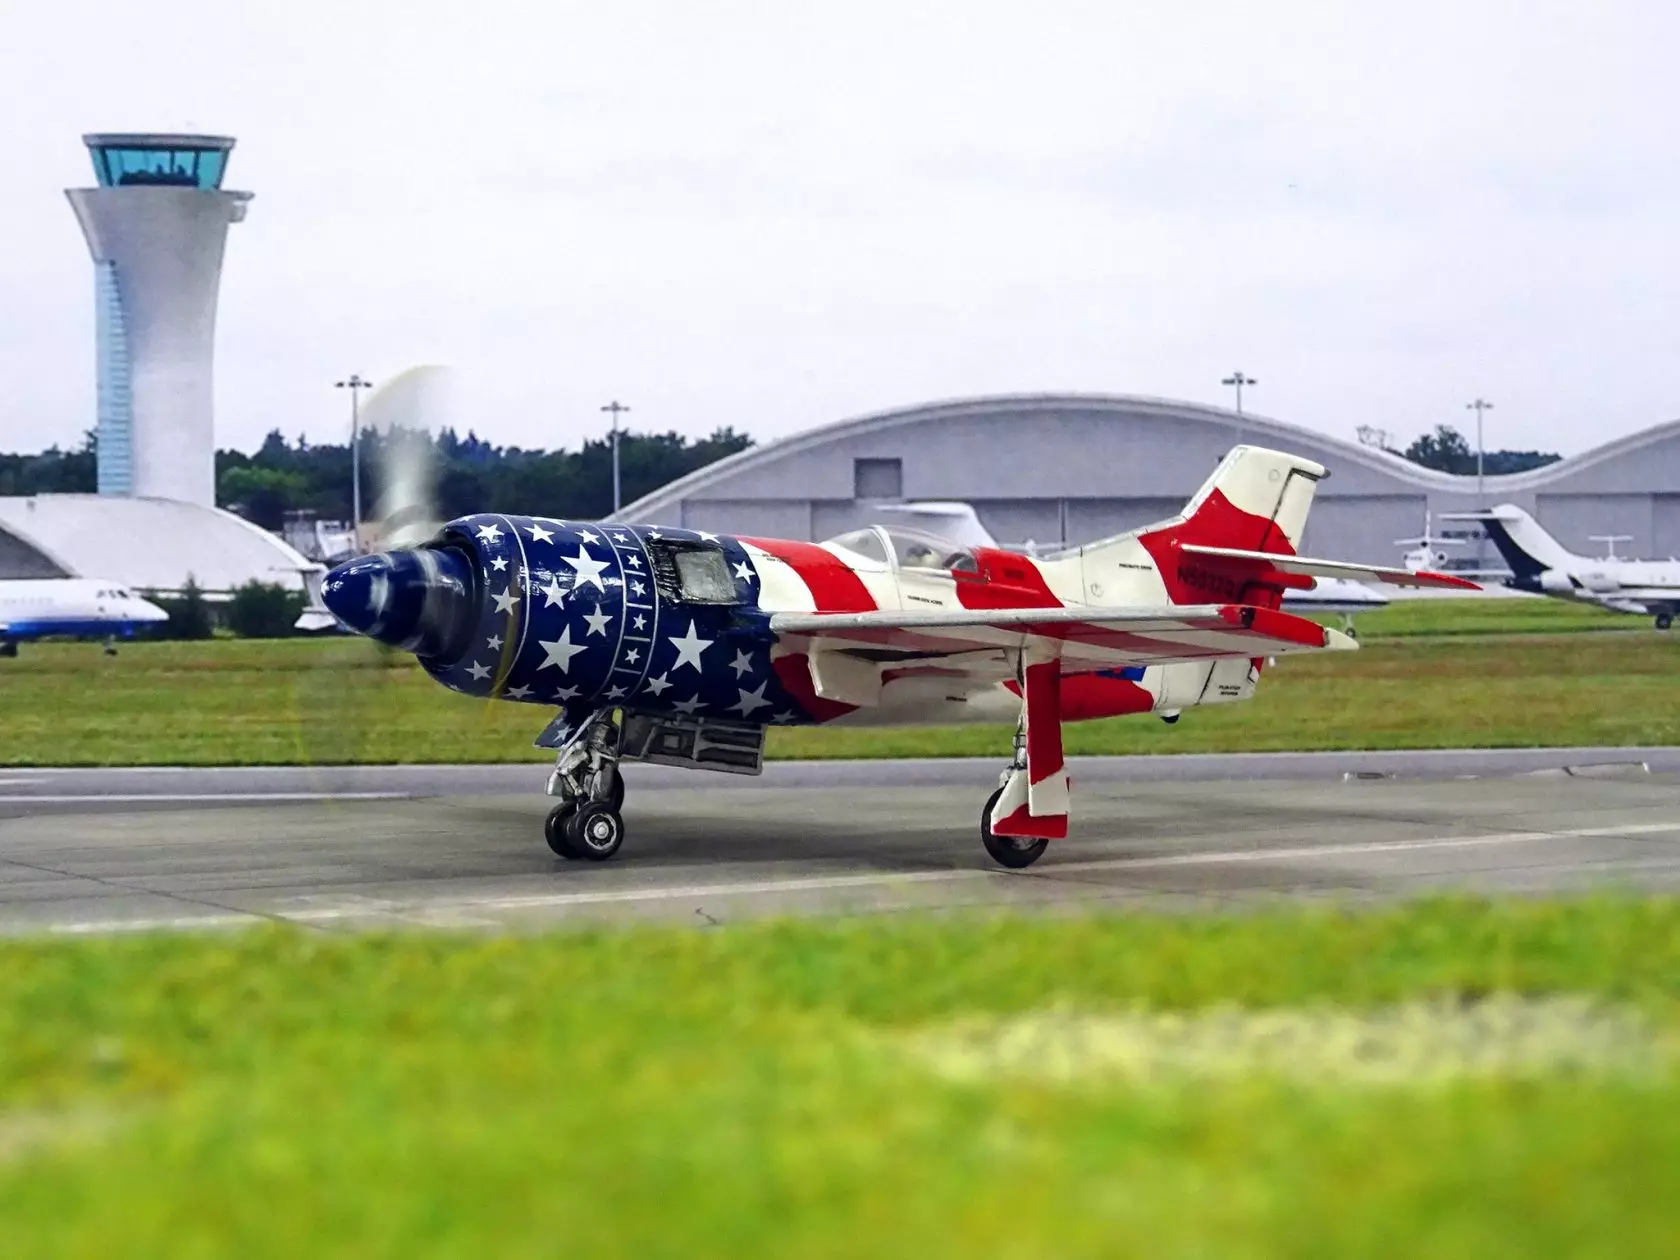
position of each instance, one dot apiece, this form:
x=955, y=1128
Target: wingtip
x=1339, y=640
x=1448, y=580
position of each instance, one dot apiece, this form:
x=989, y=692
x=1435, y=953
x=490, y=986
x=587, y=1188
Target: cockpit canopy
x=901, y=548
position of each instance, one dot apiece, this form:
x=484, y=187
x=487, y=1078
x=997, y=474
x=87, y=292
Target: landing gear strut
x=1015, y=852
x=586, y=823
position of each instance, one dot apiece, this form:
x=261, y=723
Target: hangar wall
x=1053, y=466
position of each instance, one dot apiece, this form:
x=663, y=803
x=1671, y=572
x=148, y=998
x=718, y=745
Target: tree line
x=472, y=475
x=1447, y=450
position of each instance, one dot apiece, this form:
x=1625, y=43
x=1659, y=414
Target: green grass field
x=344, y=701
x=792, y=1089
x=1505, y=615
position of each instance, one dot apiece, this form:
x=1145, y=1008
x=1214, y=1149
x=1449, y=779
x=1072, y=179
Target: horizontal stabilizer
x=1302, y=566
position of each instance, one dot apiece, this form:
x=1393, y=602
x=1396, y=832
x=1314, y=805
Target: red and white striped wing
x=1083, y=639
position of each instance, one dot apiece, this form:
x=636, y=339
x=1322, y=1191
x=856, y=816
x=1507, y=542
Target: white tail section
x=1269, y=485
x=1257, y=500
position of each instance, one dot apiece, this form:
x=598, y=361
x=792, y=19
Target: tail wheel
x=1015, y=852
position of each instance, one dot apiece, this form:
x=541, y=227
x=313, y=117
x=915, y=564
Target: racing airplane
x=681, y=646
x=1542, y=565
x=34, y=608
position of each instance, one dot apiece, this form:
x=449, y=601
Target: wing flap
x=1302, y=566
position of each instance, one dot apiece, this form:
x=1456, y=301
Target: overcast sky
x=773, y=215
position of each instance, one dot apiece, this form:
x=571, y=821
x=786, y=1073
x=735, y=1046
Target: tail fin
x=1256, y=499
x=1526, y=548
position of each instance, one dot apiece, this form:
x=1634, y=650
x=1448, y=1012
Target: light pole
x=355, y=384
x=617, y=408
x=1239, y=380
x=1479, y=406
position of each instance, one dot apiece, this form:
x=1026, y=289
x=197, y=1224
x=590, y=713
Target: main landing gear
x=1665, y=620
x=586, y=823
x=1015, y=852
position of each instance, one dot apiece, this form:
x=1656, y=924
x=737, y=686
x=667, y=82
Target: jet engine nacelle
x=1599, y=583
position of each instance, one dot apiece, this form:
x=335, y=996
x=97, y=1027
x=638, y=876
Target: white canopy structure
x=151, y=545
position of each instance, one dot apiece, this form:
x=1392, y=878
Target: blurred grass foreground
x=1449, y=1078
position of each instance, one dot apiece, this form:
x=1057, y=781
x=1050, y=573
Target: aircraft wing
x=1303, y=567
x=986, y=644
x=1666, y=595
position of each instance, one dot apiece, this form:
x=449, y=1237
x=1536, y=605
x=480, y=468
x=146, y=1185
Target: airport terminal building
x=1074, y=467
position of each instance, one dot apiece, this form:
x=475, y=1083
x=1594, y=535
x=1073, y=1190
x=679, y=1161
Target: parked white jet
x=34, y=608
x=1541, y=564
x=1424, y=550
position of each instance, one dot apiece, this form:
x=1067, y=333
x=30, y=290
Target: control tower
x=156, y=227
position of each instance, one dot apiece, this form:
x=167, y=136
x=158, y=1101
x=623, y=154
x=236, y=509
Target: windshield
x=907, y=549
x=913, y=549
x=862, y=542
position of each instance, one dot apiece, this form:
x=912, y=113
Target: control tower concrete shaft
x=156, y=226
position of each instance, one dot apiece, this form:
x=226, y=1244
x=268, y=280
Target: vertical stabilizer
x=1525, y=547
x=1257, y=499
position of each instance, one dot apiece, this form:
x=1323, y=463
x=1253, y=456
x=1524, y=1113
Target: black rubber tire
x=595, y=832
x=554, y=829
x=1665, y=621
x=615, y=798
x=1015, y=852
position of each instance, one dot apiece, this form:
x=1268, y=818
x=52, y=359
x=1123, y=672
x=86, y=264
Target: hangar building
x=1053, y=467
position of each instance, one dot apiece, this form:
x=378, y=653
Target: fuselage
x=670, y=621
x=33, y=608
x=1629, y=585
x=1335, y=595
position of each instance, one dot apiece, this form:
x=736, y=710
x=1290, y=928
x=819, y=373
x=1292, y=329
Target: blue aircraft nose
x=358, y=593
x=421, y=600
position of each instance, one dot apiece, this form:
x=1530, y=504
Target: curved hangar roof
x=1106, y=462
x=152, y=544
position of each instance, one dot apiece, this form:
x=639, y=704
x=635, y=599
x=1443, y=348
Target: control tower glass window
x=178, y=167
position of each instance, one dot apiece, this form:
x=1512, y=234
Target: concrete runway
x=381, y=847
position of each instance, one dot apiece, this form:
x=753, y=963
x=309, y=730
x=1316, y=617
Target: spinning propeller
x=398, y=594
